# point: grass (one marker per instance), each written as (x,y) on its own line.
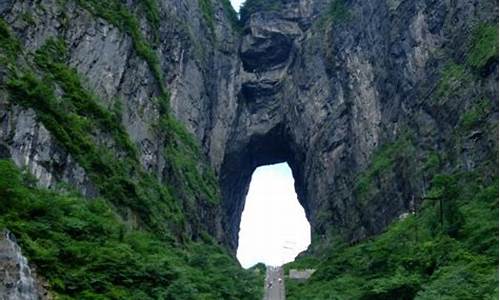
(152,11)
(52,58)
(336,13)
(28,18)
(432,162)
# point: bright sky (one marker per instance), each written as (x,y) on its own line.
(273,228)
(236,4)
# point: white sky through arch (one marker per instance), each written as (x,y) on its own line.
(273,227)
(236,4)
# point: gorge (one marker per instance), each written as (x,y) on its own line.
(150,116)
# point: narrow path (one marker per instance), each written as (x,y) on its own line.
(274,284)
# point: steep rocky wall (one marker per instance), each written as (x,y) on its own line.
(105,56)
(352,95)
(114,67)
(323,85)
(386,62)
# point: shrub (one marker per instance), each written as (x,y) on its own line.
(413,259)
(72,121)
(453,78)
(476,114)
(207,12)
(9,46)
(121,16)
(82,246)
(484,45)
(85,252)
(383,161)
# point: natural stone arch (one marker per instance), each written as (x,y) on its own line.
(317,109)
(240,162)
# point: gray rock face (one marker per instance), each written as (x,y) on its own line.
(17,281)
(322,94)
(31,146)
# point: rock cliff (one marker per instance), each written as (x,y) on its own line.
(326,92)
(364,99)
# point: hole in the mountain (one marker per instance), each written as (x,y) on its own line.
(273,228)
(237,4)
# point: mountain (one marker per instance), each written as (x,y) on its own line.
(129,132)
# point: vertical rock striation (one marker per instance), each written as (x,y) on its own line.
(323,85)
(327,86)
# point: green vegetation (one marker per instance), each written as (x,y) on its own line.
(382,162)
(116,13)
(453,78)
(447,250)
(484,46)
(456,79)
(418,257)
(208,13)
(132,242)
(251,6)
(183,156)
(152,12)
(52,58)
(231,14)
(84,251)
(28,18)
(73,118)
(432,162)
(10,47)
(195,182)
(476,114)
(338,12)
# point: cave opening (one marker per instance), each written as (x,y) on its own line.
(237,4)
(273,228)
